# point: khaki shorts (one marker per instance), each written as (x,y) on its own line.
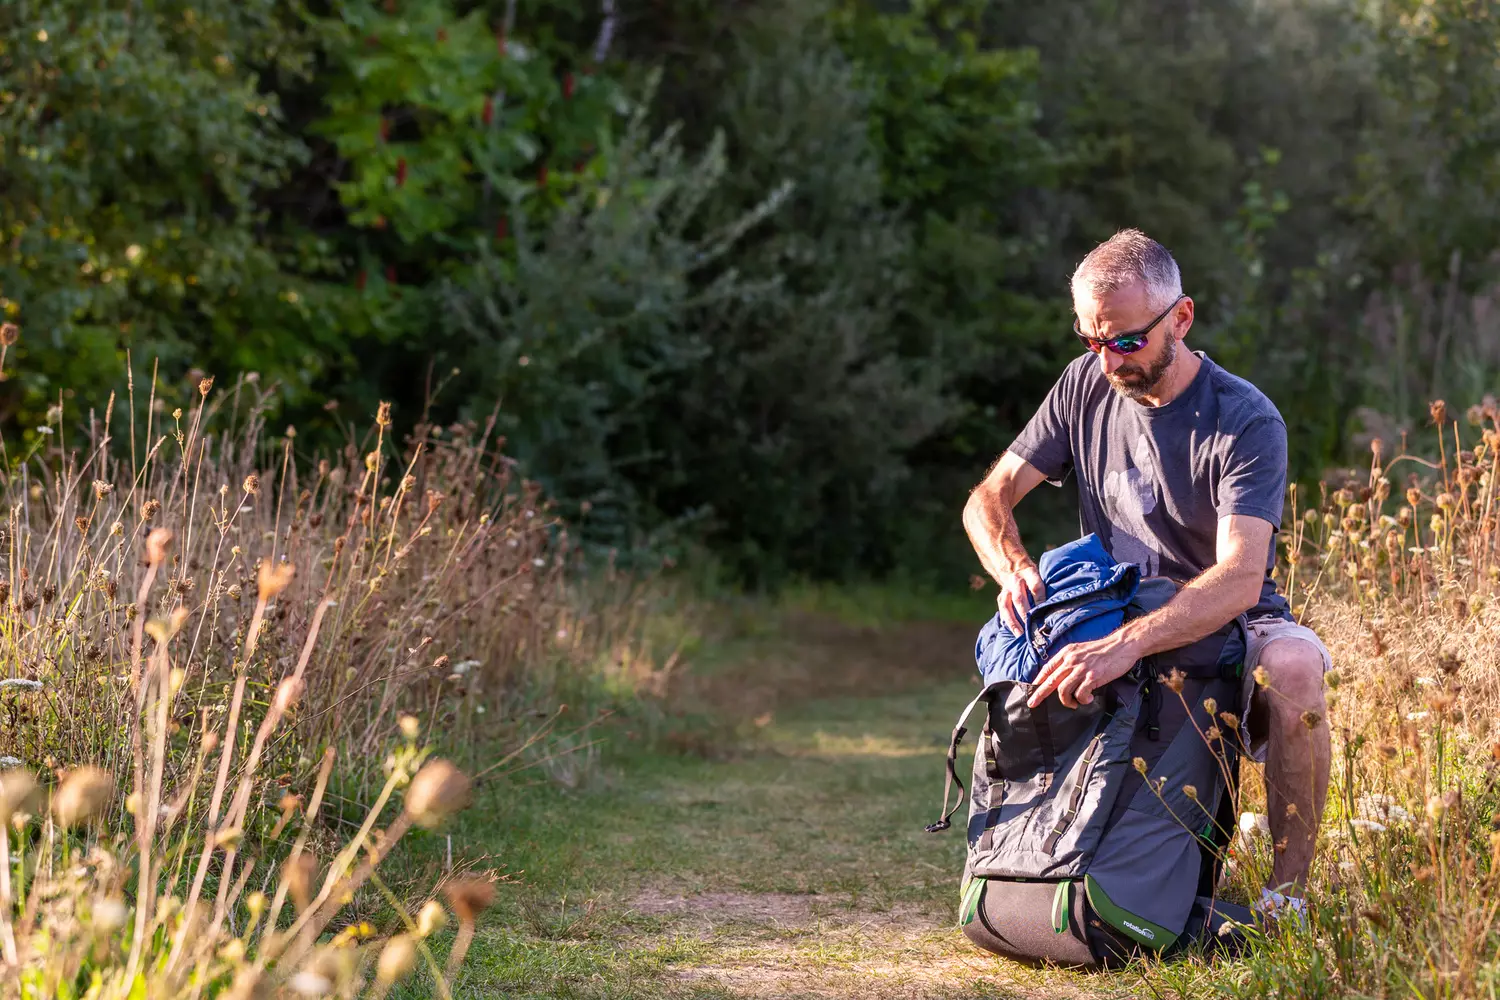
(1263,633)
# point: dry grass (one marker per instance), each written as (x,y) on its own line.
(1397,571)
(225,663)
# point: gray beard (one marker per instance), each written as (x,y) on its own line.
(1144,381)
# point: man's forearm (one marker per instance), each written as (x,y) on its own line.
(991,525)
(1201,606)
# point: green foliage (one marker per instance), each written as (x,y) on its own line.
(578,330)
(134,144)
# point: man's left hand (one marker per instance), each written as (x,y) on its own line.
(1081,668)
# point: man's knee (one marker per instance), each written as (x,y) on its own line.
(1294,671)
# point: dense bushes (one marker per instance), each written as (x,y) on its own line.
(790,301)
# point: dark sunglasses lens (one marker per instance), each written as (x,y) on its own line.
(1129,345)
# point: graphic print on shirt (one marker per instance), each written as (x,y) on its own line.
(1129,496)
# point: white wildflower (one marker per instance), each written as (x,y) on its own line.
(25,683)
(1368,825)
(11,762)
(1415,716)
(464,666)
(1425,681)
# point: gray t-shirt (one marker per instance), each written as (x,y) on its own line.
(1153,481)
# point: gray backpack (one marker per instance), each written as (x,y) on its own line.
(1076,856)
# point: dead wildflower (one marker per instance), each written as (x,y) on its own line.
(82,794)
(383,415)
(271,580)
(204,384)
(397,959)
(9,334)
(1230,719)
(157,544)
(1414,497)
(1311,719)
(1375,917)
(299,873)
(1438,410)
(1191,791)
(1262,678)
(1174,681)
(1445,502)
(150,509)
(469,896)
(436,792)
(48,593)
(102,489)
(251,486)
(1139,763)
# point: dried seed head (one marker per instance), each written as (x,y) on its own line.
(408,483)
(469,897)
(288,693)
(1475,415)
(1210,706)
(9,334)
(437,791)
(411,728)
(1383,490)
(1139,763)
(383,415)
(102,489)
(82,794)
(1445,501)
(1191,791)
(299,873)
(157,544)
(16,788)
(204,384)
(431,919)
(150,509)
(1439,411)
(1262,678)
(1230,719)
(1311,719)
(371,461)
(273,579)
(441,663)
(1174,680)
(397,959)
(252,485)
(1436,808)
(1414,497)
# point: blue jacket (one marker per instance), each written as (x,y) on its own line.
(1087,592)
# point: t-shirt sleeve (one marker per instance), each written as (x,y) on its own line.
(1253,480)
(1046,441)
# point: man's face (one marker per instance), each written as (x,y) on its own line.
(1129,310)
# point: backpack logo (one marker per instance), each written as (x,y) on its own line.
(1143,932)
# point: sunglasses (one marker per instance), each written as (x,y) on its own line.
(1125,343)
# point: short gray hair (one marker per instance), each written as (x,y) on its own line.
(1125,258)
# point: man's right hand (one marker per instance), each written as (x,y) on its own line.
(1019,593)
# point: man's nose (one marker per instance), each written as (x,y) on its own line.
(1110,361)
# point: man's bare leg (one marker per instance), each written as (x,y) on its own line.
(1297,757)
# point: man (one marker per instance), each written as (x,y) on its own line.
(1181,469)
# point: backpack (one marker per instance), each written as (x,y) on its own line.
(1095,833)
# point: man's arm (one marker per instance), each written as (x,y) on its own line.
(1229,587)
(990,521)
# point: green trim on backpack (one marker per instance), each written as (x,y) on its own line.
(1060,900)
(969,895)
(1138,929)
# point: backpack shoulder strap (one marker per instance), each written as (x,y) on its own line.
(951,778)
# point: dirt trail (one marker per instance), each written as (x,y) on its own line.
(828,887)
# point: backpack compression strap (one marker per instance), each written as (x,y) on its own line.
(951,778)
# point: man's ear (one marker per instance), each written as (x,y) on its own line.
(1182,317)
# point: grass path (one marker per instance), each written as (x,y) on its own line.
(782,854)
